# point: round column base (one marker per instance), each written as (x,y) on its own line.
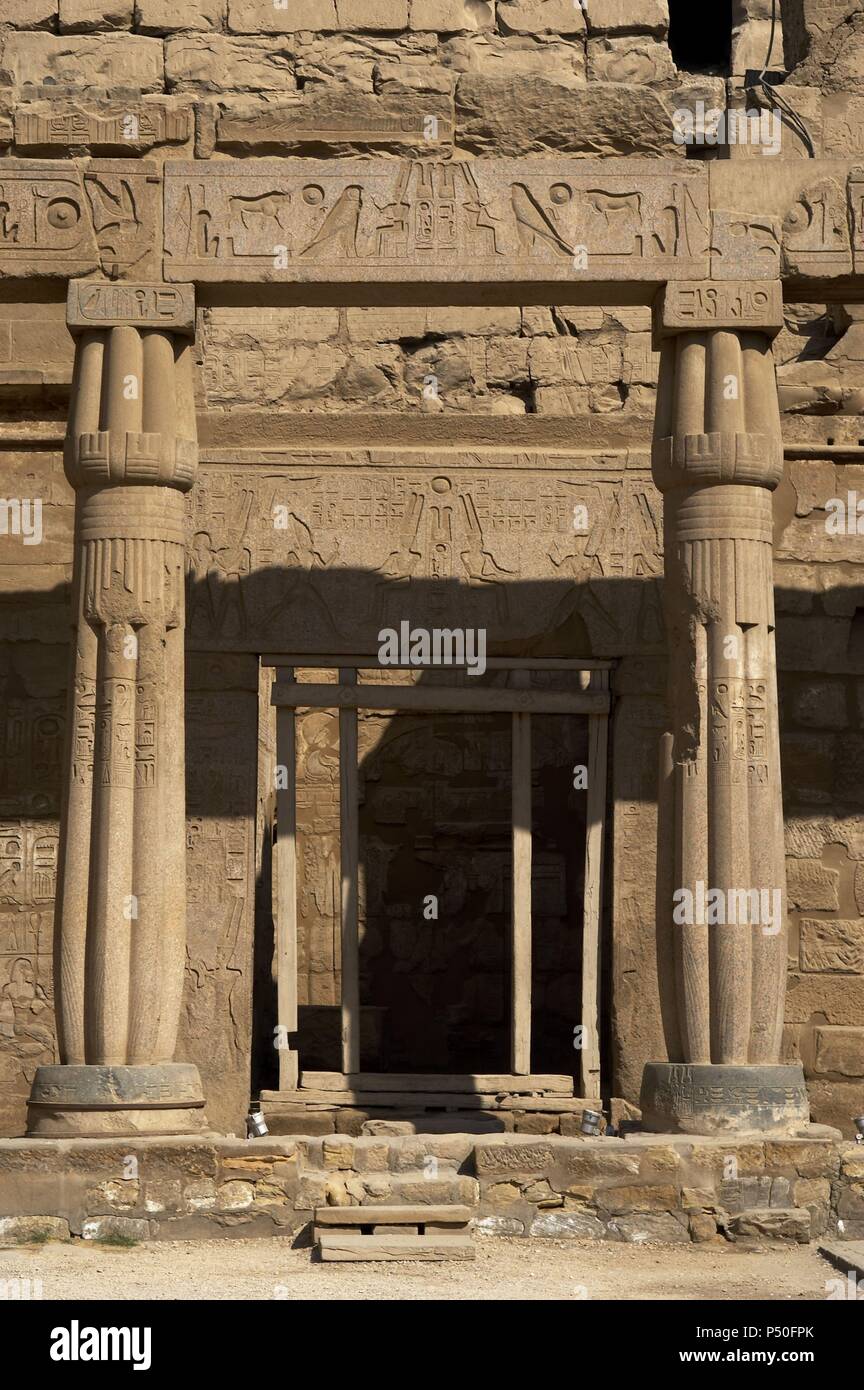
(698,1098)
(68,1102)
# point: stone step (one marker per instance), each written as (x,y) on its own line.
(437,1246)
(417,1214)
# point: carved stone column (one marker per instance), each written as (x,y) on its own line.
(721,869)
(119,945)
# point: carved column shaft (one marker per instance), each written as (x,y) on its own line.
(120,925)
(717,458)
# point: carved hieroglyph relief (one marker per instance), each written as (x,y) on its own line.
(312,555)
(294,219)
(56,219)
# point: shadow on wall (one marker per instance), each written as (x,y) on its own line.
(300,609)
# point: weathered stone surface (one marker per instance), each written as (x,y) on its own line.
(610,15)
(26,1229)
(115,1228)
(216,63)
(832,945)
(164,17)
(262,16)
(498,1226)
(638,1198)
(343,120)
(637,60)
(541,16)
(112,62)
(519,115)
(813,887)
(652,1228)
(839,1050)
(773,1223)
(567,1225)
(452,16)
(703,1226)
(80,16)
(28,14)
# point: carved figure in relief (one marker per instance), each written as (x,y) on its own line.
(263,219)
(534,225)
(478,562)
(401,563)
(22,1001)
(115,215)
(338,231)
(615,221)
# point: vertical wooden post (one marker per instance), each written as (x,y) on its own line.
(286,878)
(349,839)
(589,1056)
(520,1028)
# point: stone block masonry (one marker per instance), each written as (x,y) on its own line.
(641,1189)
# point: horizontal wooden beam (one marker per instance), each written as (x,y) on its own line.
(370,662)
(469,1084)
(439,699)
(294,1101)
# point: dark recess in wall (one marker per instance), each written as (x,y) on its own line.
(700,36)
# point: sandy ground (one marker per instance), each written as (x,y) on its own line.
(504,1269)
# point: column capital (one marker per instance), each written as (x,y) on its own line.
(132,415)
(699,306)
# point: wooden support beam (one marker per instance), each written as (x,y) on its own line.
(589,1055)
(286,895)
(349,840)
(520,922)
(438,699)
(470,1083)
(370,661)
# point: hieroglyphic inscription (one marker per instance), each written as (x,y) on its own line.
(728,304)
(136,126)
(503,219)
(95,304)
(816,232)
(313,553)
(45,226)
(757,733)
(28,877)
(729,732)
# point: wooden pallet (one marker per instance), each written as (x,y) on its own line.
(393,1233)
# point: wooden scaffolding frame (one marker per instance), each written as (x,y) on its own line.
(591,697)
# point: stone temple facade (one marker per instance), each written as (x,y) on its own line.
(432,596)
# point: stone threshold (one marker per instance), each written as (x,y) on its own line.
(640,1189)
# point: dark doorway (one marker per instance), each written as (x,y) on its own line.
(435,828)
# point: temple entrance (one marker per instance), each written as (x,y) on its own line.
(435,846)
(438,876)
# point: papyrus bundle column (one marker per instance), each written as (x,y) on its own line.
(120,919)
(717,457)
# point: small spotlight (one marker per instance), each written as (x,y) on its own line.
(591,1122)
(859,1125)
(256,1125)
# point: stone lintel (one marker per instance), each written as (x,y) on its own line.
(108,304)
(698,305)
